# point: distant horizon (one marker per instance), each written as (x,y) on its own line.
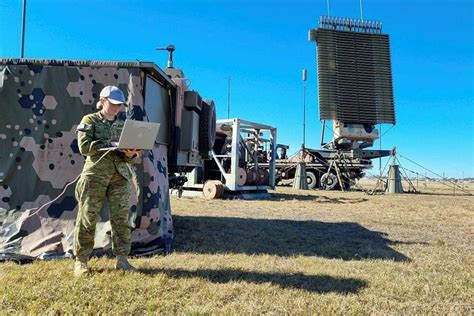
(263,46)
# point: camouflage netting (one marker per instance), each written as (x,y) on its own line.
(42,102)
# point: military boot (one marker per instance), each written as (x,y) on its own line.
(80,267)
(123,264)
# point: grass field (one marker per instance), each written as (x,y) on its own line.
(299,252)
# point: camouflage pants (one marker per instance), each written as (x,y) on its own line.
(91,191)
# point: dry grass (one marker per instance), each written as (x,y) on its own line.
(300,252)
(441,187)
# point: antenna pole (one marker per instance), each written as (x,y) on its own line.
(305,75)
(360,4)
(228,97)
(23,18)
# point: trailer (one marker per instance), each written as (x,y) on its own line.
(239,165)
(325,168)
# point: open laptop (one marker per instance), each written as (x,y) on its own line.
(136,135)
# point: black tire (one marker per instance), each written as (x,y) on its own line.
(328,181)
(312,180)
(207,128)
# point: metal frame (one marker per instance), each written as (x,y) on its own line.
(351,25)
(238,127)
(235,127)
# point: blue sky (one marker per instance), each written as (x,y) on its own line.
(263,46)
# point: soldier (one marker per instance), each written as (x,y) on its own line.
(106,175)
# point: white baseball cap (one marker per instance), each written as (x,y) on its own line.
(113,94)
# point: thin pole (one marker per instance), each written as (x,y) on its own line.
(304,114)
(22,54)
(228,97)
(380,144)
(322,132)
(360,4)
(327,3)
(304,106)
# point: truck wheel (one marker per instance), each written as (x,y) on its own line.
(312,180)
(207,128)
(328,181)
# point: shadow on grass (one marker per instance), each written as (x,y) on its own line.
(348,241)
(312,283)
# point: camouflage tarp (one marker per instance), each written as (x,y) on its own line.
(42,102)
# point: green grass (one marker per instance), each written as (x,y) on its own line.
(297,253)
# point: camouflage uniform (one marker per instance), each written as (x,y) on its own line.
(108,179)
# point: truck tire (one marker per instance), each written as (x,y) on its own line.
(312,180)
(328,181)
(207,128)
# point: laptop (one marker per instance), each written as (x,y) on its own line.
(136,135)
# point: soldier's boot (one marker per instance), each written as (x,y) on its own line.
(123,264)
(80,267)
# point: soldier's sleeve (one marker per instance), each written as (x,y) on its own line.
(86,141)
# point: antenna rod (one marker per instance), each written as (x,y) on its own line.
(304,106)
(360,4)
(327,4)
(228,96)
(22,54)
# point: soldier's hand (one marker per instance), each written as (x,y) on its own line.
(131,152)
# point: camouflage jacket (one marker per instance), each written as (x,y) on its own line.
(95,132)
